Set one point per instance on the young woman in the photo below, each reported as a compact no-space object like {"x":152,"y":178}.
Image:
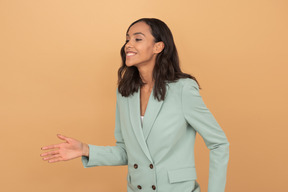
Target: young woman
{"x":159,"y":110}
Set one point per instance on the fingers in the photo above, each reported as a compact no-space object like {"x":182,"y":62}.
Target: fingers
{"x":49,"y":153}
{"x":50,"y":147}
{"x":53,"y":156}
{"x":62,"y":137}
{"x":57,"y":145}
{"x":53,"y":159}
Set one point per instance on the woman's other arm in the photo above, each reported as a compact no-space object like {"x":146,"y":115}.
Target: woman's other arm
{"x":201,"y":119}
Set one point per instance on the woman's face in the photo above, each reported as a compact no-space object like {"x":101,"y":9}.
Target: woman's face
{"x":140,"y":48}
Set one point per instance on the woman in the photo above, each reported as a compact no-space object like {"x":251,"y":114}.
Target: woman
{"x":158,"y":112}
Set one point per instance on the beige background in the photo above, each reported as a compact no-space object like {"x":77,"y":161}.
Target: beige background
{"x":58,"y":73}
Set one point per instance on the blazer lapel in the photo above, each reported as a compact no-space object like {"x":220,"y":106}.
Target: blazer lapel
{"x":134,"y":109}
{"x":151,"y":113}
{"x":152,"y":110}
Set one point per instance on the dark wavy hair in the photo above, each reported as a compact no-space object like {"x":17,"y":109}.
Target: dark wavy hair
{"x":166,"y":69}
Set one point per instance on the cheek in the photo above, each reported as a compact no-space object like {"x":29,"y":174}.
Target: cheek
{"x":149,"y":50}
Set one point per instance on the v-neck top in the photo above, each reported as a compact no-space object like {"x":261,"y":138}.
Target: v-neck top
{"x":142,"y":117}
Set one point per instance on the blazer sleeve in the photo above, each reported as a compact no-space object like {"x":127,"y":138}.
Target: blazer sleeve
{"x":108,"y":155}
{"x":201,"y":119}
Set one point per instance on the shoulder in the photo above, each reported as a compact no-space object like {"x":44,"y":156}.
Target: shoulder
{"x":185,"y":83}
{"x":183,"y":87}
{"x":189,"y":87}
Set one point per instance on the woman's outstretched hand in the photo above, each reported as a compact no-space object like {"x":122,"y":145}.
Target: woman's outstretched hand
{"x":68,"y":150}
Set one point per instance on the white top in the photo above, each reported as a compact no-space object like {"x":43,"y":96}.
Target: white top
{"x":142,"y":120}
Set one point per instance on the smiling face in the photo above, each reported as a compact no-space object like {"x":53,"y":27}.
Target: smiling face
{"x":140,"y":48}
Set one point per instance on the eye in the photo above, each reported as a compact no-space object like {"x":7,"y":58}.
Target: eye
{"x":138,"y":39}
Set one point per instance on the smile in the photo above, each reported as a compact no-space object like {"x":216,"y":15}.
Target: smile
{"x":129,"y":54}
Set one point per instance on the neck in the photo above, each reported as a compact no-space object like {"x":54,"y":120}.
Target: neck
{"x":149,"y":82}
{"x":146,"y":76}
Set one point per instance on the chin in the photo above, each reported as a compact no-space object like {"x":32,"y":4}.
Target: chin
{"x":128,"y":64}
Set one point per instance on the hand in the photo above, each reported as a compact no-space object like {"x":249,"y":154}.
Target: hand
{"x":68,"y":150}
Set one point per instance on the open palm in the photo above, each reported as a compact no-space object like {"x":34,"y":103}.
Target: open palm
{"x":68,"y":150}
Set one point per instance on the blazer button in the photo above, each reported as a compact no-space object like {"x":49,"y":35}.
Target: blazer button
{"x":135,"y":166}
{"x":153,"y":187}
{"x":151,"y":166}
{"x":139,"y":187}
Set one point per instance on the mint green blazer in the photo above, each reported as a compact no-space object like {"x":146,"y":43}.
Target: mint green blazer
{"x":160,"y":156}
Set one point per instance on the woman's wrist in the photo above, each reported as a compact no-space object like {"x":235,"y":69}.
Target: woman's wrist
{"x":85,"y":150}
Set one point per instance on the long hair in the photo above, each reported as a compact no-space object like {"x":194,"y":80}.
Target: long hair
{"x":166,"y":69}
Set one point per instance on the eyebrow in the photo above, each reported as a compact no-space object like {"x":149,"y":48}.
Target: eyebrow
{"x":137,"y":33}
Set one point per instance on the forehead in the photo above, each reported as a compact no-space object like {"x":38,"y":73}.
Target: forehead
{"x":140,"y":27}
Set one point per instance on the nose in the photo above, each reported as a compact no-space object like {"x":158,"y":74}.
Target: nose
{"x":128,"y":45}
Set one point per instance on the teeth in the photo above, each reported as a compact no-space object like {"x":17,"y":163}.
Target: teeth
{"x":130,"y":54}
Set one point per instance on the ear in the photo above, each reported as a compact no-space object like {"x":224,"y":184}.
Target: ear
{"x":158,"y":47}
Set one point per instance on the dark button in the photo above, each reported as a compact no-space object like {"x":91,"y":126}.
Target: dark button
{"x":153,"y":187}
{"x":139,"y":187}
{"x":151,"y":166}
{"x":135,"y":166}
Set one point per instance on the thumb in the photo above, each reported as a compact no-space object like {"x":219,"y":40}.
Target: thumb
{"x":62,"y":137}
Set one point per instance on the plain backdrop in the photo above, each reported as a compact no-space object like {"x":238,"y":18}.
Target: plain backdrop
{"x":58,"y":74}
